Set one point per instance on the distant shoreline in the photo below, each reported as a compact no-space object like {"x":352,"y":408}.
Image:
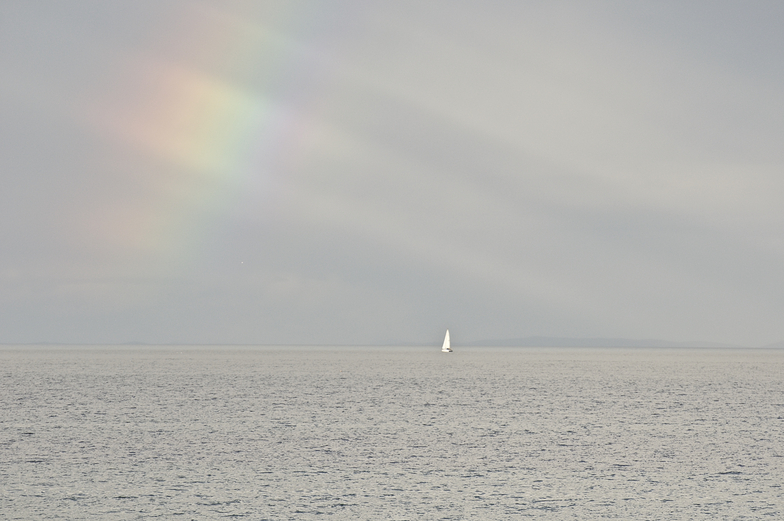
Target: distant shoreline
{"x":529,"y":342}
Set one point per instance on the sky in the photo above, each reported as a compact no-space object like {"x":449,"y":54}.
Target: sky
{"x":350,"y":172}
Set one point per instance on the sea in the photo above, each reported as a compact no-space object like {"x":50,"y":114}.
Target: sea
{"x":403,"y":433}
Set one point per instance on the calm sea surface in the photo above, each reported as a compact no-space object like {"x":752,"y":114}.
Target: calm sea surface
{"x":203,"y":433}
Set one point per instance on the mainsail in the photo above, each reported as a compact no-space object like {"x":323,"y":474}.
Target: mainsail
{"x":446,"y":348}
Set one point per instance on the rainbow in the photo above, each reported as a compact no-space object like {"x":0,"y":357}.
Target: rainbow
{"x":205,"y":141}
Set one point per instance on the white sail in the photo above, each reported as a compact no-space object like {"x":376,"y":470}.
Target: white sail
{"x":446,"y":348}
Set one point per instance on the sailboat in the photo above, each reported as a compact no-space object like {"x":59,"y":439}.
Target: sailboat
{"x":446,"y":348}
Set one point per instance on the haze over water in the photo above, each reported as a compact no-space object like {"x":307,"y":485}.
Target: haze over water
{"x":398,"y":433}
{"x":353,"y":172}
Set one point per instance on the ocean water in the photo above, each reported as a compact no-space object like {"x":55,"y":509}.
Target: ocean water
{"x":403,"y":433}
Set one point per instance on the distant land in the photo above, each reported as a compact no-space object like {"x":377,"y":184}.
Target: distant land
{"x":531,"y":341}
{"x":549,"y":341}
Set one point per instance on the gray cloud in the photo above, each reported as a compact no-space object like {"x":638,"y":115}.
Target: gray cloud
{"x":510,"y":170}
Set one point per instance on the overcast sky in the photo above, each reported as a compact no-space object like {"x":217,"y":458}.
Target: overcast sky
{"x":375,"y":172}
